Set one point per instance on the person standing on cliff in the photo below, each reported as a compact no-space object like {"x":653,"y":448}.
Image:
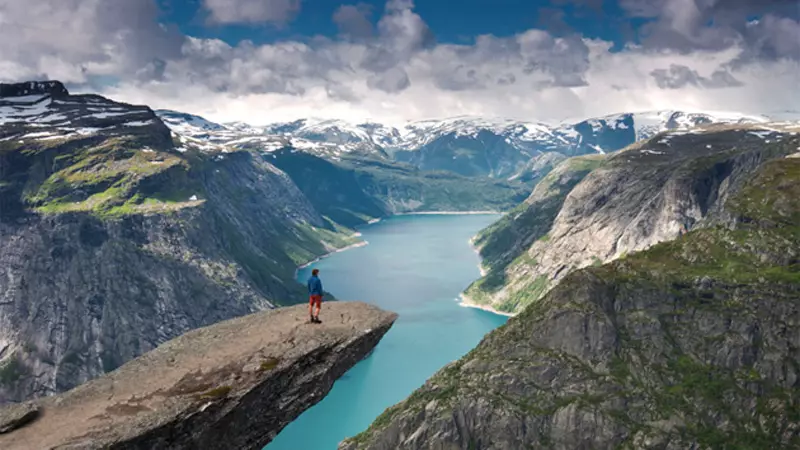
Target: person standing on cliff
{"x":314,"y":296}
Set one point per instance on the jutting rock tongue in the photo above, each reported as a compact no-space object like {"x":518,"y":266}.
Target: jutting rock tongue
{"x":53,"y":88}
{"x":232,"y":385}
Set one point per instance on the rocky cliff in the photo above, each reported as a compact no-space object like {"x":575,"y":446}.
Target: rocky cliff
{"x":692,"y":343}
{"x":234,"y":384}
{"x":505,"y":242}
{"x":648,"y":193}
{"x":115,"y":237}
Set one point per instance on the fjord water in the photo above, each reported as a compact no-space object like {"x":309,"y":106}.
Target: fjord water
{"x":415,"y":266}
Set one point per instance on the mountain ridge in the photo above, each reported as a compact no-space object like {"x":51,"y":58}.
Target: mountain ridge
{"x":467,"y":145}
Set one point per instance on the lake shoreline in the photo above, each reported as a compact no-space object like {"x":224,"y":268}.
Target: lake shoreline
{"x":447,"y":213}
{"x":465,"y":302}
{"x":376,"y":220}
{"x":333,"y":252}
{"x":477,"y":251}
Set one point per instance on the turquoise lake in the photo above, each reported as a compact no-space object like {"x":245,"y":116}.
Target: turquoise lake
{"x":416,"y":266}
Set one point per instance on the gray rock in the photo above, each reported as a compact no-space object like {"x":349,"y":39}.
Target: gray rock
{"x":646,"y":194}
{"x":186,"y":237}
{"x":234,"y":384}
{"x":17,"y":416}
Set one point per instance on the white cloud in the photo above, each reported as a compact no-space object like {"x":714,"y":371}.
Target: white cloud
{"x":252,"y":11}
{"x":397,"y":72}
{"x":615,"y":82}
{"x":353,"y":21}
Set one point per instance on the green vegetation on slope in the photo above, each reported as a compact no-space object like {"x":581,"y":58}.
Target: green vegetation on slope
{"x":106,"y":175}
{"x":503,"y":245}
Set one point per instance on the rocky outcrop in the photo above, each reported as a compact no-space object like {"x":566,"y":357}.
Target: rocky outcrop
{"x":648,"y":193}
{"x":692,"y":343}
{"x":114,"y":238}
{"x":235,"y":384}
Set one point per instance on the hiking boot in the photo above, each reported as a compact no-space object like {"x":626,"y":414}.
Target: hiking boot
{"x":316,"y":320}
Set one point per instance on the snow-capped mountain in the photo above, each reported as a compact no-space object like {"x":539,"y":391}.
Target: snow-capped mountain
{"x":45,"y":111}
{"x":467,"y":145}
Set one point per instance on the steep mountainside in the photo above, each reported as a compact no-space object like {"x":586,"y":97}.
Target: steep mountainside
{"x":641,"y":196}
{"x":232,"y":385}
{"x":504,"y":243}
{"x":469,"y":146}
{"x":692,"y":343}
{"x":114,"y":239}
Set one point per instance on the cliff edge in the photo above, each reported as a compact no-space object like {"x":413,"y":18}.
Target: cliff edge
{"x":234,"y":384}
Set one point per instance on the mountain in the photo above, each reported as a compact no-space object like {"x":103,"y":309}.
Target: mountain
{"x":345,"y":174}
{"x":468,"y":146}
{"x":122,"y":227}
{"x":645,"y":337}
{"x":630,"y":201}
{"x":117,"y":235}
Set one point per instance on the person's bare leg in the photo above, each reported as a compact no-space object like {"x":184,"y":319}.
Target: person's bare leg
{"x":311,"y":311}
{"x":319,"y":306}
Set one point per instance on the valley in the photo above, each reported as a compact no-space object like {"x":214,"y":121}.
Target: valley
{"x":649,"y":261}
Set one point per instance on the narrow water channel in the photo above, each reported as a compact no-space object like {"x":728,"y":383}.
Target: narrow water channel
{"x":416,"y":266}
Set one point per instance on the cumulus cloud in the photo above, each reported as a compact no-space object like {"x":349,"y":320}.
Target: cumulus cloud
{"x":72,"y":39}
{"x":252,"y":11}
{"x":689,"y":25}
{"x":678,"y":76}
{"x":395,"y":70}
{"x":353,"y":21}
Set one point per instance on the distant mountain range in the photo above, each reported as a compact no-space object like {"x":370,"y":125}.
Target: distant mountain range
{"x":470,"y":146}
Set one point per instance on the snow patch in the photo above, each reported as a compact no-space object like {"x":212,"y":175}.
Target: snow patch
{"x":139,"y":123}
{"x":761,"y":134}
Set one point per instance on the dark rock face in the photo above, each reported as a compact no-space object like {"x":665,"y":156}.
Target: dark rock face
{"x":235,"y":384}
{"x":52,"y":88}
{"x":692,"y":343}
{"x":609,"y":135}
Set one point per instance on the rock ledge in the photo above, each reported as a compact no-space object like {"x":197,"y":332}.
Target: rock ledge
{"x":234,"y":384}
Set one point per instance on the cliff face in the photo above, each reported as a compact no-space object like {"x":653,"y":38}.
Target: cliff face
{"x":234,"y":384}
{"x":504,"y":243}
{"x":639,"y":197}
{"x":692,"y":343}
{"x":114,"y":238}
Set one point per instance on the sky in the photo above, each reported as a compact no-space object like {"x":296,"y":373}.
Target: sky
{"x":392,"y":61}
